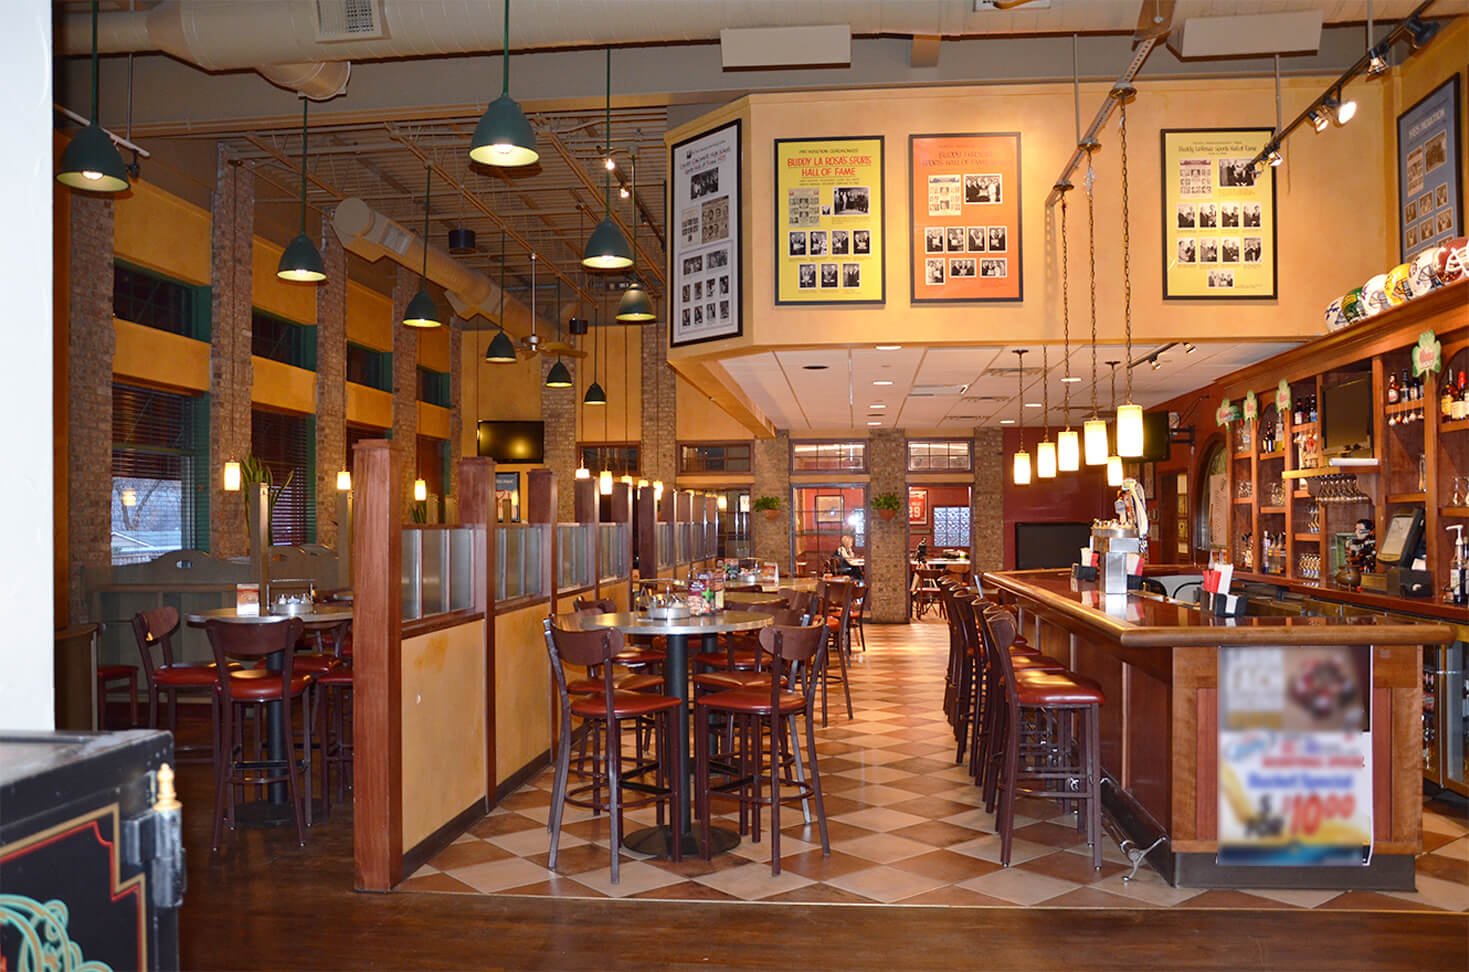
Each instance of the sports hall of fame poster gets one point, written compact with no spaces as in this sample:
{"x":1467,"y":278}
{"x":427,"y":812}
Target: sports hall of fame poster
{"x":829,"y":246}
{"x":1430,"y":192}
{"x":1218,"y":215}
{"x":964,"y":196}
{"x":704,"y":255}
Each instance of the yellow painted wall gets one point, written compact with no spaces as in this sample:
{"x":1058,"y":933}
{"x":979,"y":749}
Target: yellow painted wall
{"x":369,"y":406}
{"x":1330,"y":188}
{"x":284,"y":298}
{"x":495,"y":391}
{"x":433,"y":420}
{"x":283,"y":386}
{"x":162,"y":232}
{"x":619,"y":370}
{"x":433,"y":348}
{"x":700,"y":420}
{"x":522,"y":690}
{"x":369,"y":318}
{"x":444,"y":728}
{"x":159,"y":357}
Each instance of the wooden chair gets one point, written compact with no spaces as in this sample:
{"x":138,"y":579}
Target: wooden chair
{"x":836,"y":596}
{"x":154,"y":630}
{"x":117,"y":675}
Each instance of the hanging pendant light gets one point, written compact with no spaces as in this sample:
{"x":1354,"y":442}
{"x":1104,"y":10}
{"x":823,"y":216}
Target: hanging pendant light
{"x":559,"y":376}
{"x":1130,"y":415}
{"x":421,"y":310}
{"x":502,"y":349}
{"x":302,"y":260}
{"x":1022,"y":458}
{"x":595,"y":395}
{"x":582,"y":472}
{"x":1068,"y":443}
{"x":1114,"y":461}
{"x":1045,"y":453}
{"x":636,"y":306}
{"x":503,"y":136}
{"x":90,"y":160}
{"x":1094,"y":430}
{"x":607,"y":248}
{"x":604,"y":482}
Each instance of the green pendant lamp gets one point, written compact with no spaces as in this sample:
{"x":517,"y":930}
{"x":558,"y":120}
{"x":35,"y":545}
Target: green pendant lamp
{"x":607,"y":248}
{"x":503,"y":136}
{"x":421,"y":310}
{"x":90,"y":160}
{"x":559,"y":376}
{"x":302,"y":261}
{"x":501,"y":349}
{"x":595,"y":394}
{"x":636,"y":306}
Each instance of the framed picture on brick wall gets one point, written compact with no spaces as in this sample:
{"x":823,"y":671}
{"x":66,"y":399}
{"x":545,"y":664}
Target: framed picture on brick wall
{"x":705,"y":285}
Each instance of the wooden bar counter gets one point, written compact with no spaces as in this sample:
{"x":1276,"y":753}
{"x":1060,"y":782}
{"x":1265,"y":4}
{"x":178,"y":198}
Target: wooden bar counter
{"x":1157,"y":661}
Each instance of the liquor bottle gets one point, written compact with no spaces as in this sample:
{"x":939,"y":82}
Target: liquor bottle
{"x":1392,"y":388}
{"x":1446,"y":400}
{"x":1300,"y":413}
{"x":1311,"y":408}
{"x":1463,"y":395}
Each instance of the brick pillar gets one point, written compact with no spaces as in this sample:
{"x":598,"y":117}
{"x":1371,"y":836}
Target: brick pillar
{"x":331,"y":386}
{"x":405,"y":390}
{"x":558,"y":411}
{"x":987,"y":504}
{"x":231,"y":371}
{"x":659,"y":415}
{"x":456,"y":410}
{"x":772,"y":477}
{"x":887,"y":540}
{"x":91,"y":344}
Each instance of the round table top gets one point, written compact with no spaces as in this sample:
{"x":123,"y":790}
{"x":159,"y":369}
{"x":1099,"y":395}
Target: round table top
{"x":752,"y":597}
{"x":320,"y":613}
{"x":717,"y":623}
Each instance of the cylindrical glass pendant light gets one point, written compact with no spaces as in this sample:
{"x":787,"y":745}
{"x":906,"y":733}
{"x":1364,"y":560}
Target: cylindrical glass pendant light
{"x":1114,"y":470}
{"x":1094,"y":437}
{"x":1045,"y":460}
{"x":1068,"y":451}
{"x":1022,"y":458}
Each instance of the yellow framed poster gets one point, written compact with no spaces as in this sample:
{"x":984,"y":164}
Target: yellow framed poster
{"x":829,"y":246}
{"x":1218,"y":215}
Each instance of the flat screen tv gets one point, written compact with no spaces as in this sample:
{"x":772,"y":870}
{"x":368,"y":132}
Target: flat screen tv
{"x":1156,"y":436}
{"x":513,"y":441}
{"x":1039,"y":545}
{"x":1346,"y":418}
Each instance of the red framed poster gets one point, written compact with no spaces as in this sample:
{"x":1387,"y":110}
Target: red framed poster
{"x":917,"y":505}
{"x":964,"y":197}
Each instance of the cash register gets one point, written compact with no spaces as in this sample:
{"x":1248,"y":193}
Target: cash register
{"x":1402,"y":553}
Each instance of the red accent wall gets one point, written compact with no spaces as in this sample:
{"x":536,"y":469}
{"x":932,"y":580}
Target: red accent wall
{"x":1071,"y":497}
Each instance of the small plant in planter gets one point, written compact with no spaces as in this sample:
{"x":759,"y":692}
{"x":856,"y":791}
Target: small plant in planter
{"x":887,"y":505}
{"x":768,"y":505}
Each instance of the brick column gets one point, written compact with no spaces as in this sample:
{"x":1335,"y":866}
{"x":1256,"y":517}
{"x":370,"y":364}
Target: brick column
{"x":659,"y":425}
{"x":986,"y":503}
{"x":772,"y":477}
{"x":331,"y":386}
{"x":887,"y":540}
{"x":231,"y":371}
{"x":91,"y":344}
{"x":456,"y":394}
{"x":558,"y":411}
{"x":405,"y":390}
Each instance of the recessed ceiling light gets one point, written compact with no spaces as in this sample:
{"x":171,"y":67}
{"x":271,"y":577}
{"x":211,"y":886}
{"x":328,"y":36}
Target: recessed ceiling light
{"x":889,"y":347}
{"x":815,"y":367}
{"x":1070,"y":381}
{"x":877,"y":405}
{"x":1032,"y":404}
{"x":882,"y":381}
{"x":874,"y":423}
{"x":1007,"y":421}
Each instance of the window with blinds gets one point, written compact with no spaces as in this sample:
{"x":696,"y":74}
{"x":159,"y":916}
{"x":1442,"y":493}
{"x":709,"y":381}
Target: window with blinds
{"x":160,"y":455}
{"x":281,"y":340}
{"x":368,"y":367}
{"x":433,"y":387}
{"x":153,"y":300}
{"x":286,"y":444}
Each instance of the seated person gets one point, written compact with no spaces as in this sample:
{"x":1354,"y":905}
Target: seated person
{"x":844,"y":554}
{"x":921,"y":554}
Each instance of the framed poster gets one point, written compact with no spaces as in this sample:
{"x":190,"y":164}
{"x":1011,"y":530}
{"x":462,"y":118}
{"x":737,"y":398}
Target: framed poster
{"x":917,"y":505}
{"x":1430,"y":160}
{"x":964,"y":194}
{"x":704,"y":271}
{"x":829,"y":509}
{"x":507,"y":490}
{"x":1218,"y":215}
{"x":829,"y":247}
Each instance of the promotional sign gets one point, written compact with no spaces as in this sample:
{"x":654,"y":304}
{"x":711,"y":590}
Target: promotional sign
{"x":829,"y":247}
{"x":964,"y":196}
{"x":1218,"y":215}
{"x":1295,"y":755}
{"x":704,"y":243}
{"x":1430,"y":159}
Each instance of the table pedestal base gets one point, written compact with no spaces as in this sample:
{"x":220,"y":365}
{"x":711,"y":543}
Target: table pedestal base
{"x":264,"y":813}
{"x":655,"y":841}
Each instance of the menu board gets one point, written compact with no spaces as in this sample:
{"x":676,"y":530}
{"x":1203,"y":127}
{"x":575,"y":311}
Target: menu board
{"x":704,"y":251}
{"x":1430,"y":160}
{"x":964,"y":194}
{"x":828,"y":220}
{"x":1218,"y":215}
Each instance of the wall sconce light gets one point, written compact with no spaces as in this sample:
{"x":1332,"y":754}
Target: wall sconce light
{"x":420,"y":491}
{"x":344,"y":481}
{"x":232,"y":477}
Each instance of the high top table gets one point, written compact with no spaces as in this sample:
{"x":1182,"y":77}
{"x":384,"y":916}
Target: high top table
{"x":656,"y":840}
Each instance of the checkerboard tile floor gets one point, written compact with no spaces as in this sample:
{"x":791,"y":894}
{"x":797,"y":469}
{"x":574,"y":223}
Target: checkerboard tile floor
{"x":906,"y":826}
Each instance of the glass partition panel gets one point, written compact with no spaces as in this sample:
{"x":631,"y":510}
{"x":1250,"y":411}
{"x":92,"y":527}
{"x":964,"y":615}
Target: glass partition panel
{"x":438,"y":573}
{"x":681,"y":544}
{"x":576,"y":566}
{"x":434,"y":585}
{"x":411,"y":564}
{"x":664,"y":535}
{"x":519,"y":560}
{"x":613,"y":557}
{"x":462,"y":543}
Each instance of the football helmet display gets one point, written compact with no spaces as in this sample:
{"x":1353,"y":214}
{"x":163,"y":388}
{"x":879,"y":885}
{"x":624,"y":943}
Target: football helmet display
{"x":1423,"y":275}
{"x":1374,"y":294}
{"x":1335,"y":319}
{"x":1397,"y":285}
{"x":1353,"y":306}
{"x":1452,"y":260}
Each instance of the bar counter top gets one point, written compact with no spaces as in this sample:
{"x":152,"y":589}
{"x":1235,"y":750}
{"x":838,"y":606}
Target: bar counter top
{"x":1143,"y":620}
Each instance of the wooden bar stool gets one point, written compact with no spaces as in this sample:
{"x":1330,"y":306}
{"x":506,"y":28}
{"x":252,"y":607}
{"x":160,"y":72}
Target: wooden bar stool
{"x":116,"y":675}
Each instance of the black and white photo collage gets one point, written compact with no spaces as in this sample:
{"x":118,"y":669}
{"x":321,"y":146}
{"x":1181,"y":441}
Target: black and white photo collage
{"x":1221,"y":236}
{"x":823,"y":247}
{"x":705,"y":289}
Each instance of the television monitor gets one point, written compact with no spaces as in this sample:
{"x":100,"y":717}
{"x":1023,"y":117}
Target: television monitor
{"x":1039,"y":545}
{"x":1346,"y":418}
{"x":512,"y":441}
{"x":1157,"y":433}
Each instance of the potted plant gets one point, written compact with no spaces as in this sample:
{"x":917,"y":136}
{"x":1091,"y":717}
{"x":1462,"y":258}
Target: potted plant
{"x":769,"y":505}
{"x":887,"y":505}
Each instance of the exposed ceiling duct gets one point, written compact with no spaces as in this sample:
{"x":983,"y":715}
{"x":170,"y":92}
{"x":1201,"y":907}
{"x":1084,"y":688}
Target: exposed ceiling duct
{"x":372,"y":236}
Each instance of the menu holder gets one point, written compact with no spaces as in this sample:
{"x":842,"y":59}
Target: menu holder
{"x":247,"y":600}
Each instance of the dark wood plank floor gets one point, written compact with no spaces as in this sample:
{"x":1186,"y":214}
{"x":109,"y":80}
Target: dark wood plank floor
{"x":264,"y":903}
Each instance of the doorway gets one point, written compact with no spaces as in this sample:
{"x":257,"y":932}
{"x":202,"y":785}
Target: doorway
{"x":823,"y":515}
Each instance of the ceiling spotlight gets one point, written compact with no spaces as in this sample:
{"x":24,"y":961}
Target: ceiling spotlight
{"x":622,"y":192}
{"x":1188,"y":348}
{"x":1318,"y":119}
{"x":609,"y":163}
{"x":1423,"y":33}
{"x":1032,"y":404}
{"x":874,"y":423}
{"x":1376,"y":63}
{"x":1274,"y":157}
{"x":889,"y":347}
{"x":1341,"y":111}
{"x":1157,"y":364}
{"x":877,"y":405}
{"x":1007,"y":421}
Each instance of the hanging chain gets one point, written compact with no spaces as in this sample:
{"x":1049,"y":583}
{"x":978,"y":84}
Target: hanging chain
{"x":1126,"y":245}
{"x":1065,"y":314}
{"x":1091,"y":243}
{"x":1045,"y":392}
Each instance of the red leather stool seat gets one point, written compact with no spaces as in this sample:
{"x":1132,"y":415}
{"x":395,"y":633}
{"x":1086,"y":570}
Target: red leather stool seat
{"x":630,"y":682}
{"x":182,"y":676}
{"x":337,"y":677}
{"x":263,"y":685}
{"x":624,"y":705}
{"x":1036,"y":663}
{"x":754,"y":703}
{"x":725,"y":680}
{"x":1053,"y":688}
{"x":313,"y":664}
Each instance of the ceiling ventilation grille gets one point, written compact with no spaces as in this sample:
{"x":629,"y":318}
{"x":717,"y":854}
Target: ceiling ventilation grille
{"x":339,"y":20}
{"x":1009,"y":372}
{"x":396,"y":239}
{"x":936,"y":391}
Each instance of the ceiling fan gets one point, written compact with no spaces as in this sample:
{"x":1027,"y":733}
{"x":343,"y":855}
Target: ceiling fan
{"x":533,"y":343}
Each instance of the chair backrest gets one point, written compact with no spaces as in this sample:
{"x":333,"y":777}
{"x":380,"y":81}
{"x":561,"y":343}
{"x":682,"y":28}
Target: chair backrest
{"x":588,"y":649}
{"x":253,"y":642}
{"x":792,"y":647}
{"x":859,"y":600}
{"x":797,"y":600}
{"x":997,"y":629}
{"x":958,"y":570}
{"x":155,"y":627}
{"x":602,"y":605}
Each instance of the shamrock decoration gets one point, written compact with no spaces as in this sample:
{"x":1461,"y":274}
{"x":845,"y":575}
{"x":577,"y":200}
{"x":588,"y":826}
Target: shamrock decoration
{"x":1427,"y":354}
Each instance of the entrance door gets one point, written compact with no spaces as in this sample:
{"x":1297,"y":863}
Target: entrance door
{"x":823,"y":515}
